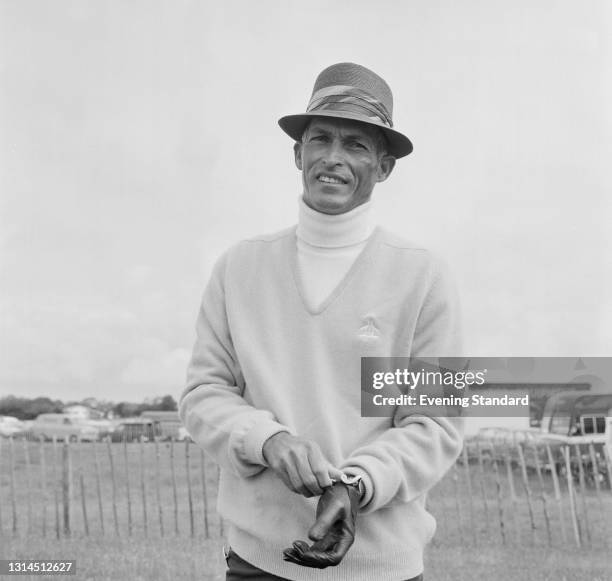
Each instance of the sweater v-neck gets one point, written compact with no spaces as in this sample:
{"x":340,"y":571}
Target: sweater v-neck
{"x":291,"y":241}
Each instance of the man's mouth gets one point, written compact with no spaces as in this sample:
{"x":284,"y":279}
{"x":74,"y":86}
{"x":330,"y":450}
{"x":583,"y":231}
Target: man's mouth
{"x":327,"y":179}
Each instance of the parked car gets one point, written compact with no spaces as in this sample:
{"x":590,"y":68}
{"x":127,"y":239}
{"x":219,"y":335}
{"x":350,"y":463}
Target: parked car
{"x":577,"y":413}
{"x":10,"y":426}
{"x":134,"y":429}
{"x":104,"y":427}
{"x":63,"y":427}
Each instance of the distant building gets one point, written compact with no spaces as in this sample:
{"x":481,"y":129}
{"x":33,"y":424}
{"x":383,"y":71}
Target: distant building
{"x":169,"y":423}
{"x":83,"y":412}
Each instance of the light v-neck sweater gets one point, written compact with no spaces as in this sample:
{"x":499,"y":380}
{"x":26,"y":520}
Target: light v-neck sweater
{"x":264,"y":362}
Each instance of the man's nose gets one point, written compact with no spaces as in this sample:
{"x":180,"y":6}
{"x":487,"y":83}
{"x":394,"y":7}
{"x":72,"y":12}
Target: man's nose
{"x":334,"y":154}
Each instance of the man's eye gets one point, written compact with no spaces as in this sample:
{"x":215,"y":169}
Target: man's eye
{"x":358,"y":145}
{"x":318,"y":138}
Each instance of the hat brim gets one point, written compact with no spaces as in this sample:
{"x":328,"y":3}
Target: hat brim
{"x":294,"y":125}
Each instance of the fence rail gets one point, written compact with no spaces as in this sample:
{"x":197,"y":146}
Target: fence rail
{"x":518,"y":495}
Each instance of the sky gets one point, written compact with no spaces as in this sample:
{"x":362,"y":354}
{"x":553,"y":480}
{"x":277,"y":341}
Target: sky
{"x":138,"y":140}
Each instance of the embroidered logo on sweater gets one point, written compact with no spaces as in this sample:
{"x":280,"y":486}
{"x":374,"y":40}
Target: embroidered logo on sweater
{"x":369,"y":330}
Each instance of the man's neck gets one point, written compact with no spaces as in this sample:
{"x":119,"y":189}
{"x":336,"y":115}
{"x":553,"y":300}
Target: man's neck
{"x":334,"y":230}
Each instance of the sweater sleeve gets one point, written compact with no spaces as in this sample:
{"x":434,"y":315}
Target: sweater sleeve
{"x":212,"y":406}
{"x":412,"y":455}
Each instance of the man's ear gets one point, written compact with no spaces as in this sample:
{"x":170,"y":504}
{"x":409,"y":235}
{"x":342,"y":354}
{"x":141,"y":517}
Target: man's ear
{"x":385,"y":167}
{"x":297,"y":150}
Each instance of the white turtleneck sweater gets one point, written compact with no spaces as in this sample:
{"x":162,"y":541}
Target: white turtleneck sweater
{"x":327,"y":246}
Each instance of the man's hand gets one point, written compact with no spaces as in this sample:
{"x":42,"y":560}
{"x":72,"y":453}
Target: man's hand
{"x":300,"y":464}
{"x":333,"y":531}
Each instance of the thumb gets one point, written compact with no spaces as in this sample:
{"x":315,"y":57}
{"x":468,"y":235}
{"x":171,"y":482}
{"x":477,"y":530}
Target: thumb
{"x":325,"y":521}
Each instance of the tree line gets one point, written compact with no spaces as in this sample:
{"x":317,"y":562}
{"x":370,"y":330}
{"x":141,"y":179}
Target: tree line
{"x":28,"y":408}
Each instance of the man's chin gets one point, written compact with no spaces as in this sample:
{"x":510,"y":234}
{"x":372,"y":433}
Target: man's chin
{"x":328,"y":202}
{"x":331,"y":209}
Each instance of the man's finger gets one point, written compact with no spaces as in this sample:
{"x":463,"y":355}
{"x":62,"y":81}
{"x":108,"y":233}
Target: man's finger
{"x":321,"y":469}
{"x":315,"y":559}
{"x":295,"y":553}
{"x":309,"y":479}
{"x":294,"y":478}
{"x":292,"y":556}
{"x":334,"y":473}
{"x":307,"y":559}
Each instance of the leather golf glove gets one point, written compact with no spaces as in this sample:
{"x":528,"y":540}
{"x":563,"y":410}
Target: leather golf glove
{"x":333,"y":532}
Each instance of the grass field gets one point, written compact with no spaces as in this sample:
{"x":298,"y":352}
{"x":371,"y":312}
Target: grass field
{"x":483,"y":533}
{"x":469,"y":544}
{"x":106,"y":559}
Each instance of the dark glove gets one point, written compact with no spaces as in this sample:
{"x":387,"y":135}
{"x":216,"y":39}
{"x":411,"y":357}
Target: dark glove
{"x":333,"y":530}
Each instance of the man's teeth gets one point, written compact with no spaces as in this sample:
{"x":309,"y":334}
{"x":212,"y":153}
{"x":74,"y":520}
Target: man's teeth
{"x":330,"y":180}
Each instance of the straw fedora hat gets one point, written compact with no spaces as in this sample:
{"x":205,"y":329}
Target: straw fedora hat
{"x":350,"y":91}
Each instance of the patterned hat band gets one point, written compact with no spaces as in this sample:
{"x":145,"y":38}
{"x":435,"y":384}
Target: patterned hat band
{"x":346,"y":98}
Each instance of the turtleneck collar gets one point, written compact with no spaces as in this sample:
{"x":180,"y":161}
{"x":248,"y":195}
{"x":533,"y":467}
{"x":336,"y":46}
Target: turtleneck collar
{"x":334,"y":231}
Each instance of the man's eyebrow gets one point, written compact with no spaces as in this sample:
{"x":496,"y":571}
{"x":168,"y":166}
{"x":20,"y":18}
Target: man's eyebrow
{"x":317,"y":129}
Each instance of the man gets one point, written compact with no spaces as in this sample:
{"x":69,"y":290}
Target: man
{"x":273,"y":390}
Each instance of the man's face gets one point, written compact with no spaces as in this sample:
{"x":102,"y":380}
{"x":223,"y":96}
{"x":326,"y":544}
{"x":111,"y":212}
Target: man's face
{"x":340,"y":164}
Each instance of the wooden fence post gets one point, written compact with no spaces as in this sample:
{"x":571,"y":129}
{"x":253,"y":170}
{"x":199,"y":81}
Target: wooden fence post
{"x":55,"y":487}
{"x":482,"y":486}
{"x":583,"y":491}
{"x":466,"y":464}
{"x":189,"y":491}
{"x":527,"y":489}
{"x":143,"y":489}
{"x":608,"y":458}
{"x":174,"y":489}
{"x":221,"y":527}
{"x":204,"y":495}
{"x":11,"y":448}
{"x":158,"y":489}
{"x":66,"y":485}
{"x":542,"y":493}
{"x":98,"y":486}
{"x":127,"y":486}
{"x":79,"y":467}
{"x":500,"y":505}
{"x":570,"y":489}
{"x":114,"y":483}
{"x":559,"y":502}
{"x":513,"y":497}
{"x":43,"y":485}
{"x":26,"y":454}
